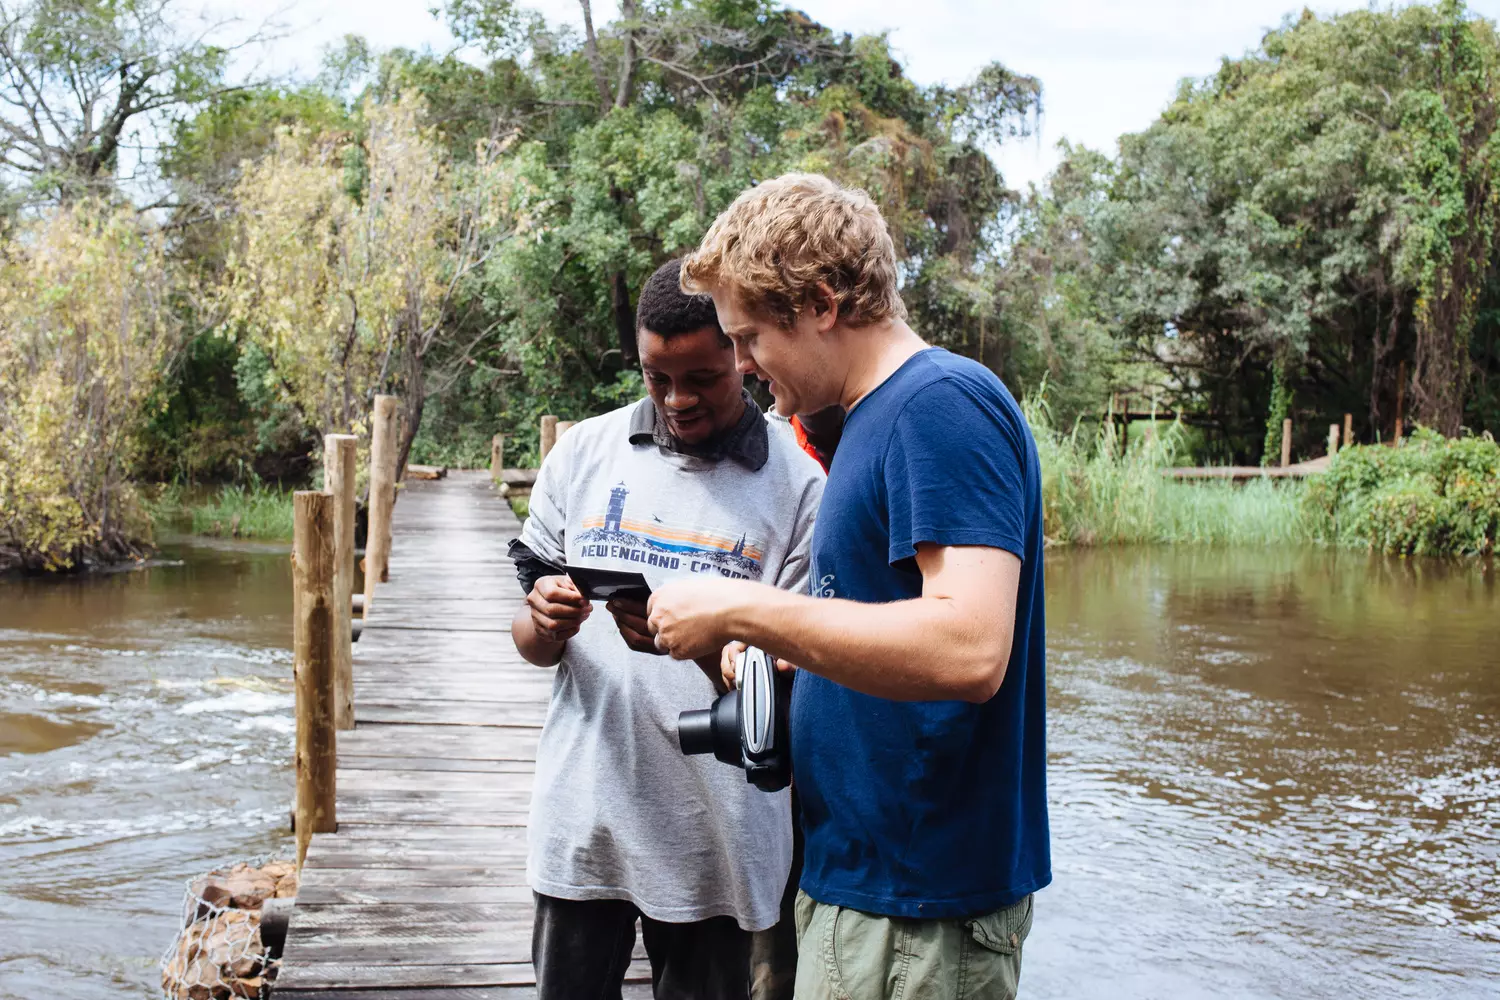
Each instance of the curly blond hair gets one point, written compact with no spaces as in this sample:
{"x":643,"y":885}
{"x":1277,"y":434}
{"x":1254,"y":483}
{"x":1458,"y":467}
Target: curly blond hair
{"x":782,"y":237}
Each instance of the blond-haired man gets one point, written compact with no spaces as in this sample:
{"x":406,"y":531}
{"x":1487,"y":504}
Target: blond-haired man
{"x":918,"y":714}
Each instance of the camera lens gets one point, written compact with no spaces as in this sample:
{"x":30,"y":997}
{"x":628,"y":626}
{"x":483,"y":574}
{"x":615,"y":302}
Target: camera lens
{"x":714,"y":730}
{"x":695,"y":731}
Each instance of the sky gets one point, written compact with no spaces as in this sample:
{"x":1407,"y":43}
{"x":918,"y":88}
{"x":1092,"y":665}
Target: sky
{"x":1107,"y":66}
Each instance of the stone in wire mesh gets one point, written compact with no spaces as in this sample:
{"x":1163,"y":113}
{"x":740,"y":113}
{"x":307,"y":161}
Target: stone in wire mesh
{"x":219,"y":953}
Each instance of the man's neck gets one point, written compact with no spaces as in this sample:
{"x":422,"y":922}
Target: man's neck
{"x":876,"y":353}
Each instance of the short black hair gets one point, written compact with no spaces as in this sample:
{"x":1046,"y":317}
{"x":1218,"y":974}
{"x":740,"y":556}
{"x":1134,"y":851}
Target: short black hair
{"x":666,"y":310}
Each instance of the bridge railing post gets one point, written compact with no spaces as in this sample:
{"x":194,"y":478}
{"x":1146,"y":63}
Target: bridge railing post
{"x":338,"y":480}
{"x":382,"y":496}
{"x":547,"y":436}
{"x":1286,"y":442}
{"x":313,"y":614}
{"x":497,"y":456}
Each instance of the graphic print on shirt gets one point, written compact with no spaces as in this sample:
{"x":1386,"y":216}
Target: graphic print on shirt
{"x":653,"y":542}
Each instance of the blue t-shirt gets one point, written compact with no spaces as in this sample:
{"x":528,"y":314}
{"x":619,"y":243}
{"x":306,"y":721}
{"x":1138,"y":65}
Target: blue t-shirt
{"x":934,"y":808}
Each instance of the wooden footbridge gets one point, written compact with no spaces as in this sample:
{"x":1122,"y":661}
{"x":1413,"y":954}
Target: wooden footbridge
{"x":420,"y":893}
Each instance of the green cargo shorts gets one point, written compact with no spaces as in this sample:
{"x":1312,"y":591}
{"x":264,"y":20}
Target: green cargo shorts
{"x":846,"y":954}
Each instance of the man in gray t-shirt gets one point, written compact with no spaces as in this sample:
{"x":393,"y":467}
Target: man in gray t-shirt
{"x":623,"y":826}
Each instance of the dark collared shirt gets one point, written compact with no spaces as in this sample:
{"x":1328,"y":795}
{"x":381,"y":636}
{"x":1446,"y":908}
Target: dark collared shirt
{"x":747,"y":443}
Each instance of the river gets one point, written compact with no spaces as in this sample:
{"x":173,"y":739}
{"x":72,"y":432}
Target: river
{"x":1273,"y":773}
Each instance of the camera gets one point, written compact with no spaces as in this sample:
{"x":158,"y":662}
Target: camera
{"x":748,"y":726}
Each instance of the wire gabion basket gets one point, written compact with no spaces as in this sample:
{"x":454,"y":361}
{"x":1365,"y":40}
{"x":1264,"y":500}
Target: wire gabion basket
{"x":219,"y":954}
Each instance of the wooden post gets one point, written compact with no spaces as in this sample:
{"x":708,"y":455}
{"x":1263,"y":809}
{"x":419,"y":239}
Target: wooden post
{"x":1286,"y":442}
{"x":1348,"y":429}
{"x":1400,"y":398}
{"x":338,"y":478}
{"x":563,"y":426}
{"x":382,"y":495}
{"x":313,"y":612}
{"x":1333,"y":440}
{"x":497,"y":456}
{"x":549,"y":435}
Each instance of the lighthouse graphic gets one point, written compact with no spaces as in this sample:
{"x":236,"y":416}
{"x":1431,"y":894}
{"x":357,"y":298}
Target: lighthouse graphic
{"x":699,"y":549}
{"x":616,"y":507}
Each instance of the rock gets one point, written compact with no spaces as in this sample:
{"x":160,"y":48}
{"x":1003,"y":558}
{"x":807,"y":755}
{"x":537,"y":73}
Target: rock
{"x":248,"y":987}
{"x":287,"y":885}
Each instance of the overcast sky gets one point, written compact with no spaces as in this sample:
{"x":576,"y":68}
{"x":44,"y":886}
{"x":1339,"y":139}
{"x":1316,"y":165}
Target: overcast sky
{"x":1106,"y":66}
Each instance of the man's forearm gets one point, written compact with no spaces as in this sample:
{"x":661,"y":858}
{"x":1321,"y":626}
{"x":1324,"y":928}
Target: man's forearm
{"x":920,"y":649}
{"x":535,"y":649}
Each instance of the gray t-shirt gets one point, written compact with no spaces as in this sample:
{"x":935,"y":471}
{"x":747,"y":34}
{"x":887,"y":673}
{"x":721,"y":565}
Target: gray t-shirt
{"x":618,"y":812}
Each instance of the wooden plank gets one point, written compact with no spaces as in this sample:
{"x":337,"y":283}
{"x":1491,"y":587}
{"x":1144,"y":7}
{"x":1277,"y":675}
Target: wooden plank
{"x":325,"y":975}
{"x":474,"y":743}
{"x":443,"y":713}
{"x":380,"y":880}
{"x":428,"y":764}
{"x":435,"y":856}
{"x":402,"y":891}
{"x":423,"y":835}
{"x":356,"y":780}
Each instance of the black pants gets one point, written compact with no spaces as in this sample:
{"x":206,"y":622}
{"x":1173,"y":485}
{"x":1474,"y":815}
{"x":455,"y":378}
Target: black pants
{"x":773,"y":952}
{"x":581,"y":949}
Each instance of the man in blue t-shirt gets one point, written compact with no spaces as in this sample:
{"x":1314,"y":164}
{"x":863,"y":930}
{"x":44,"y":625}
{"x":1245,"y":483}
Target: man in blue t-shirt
{"x":919,"y":712}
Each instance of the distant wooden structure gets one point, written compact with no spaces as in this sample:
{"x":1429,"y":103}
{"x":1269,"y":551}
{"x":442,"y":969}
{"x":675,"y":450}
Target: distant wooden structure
{"x":1242,"y":472}
{"x":420,"y":894}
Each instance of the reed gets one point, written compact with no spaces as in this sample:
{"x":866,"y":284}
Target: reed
{"x":253,"y":510}
{"x":1096,"y":492}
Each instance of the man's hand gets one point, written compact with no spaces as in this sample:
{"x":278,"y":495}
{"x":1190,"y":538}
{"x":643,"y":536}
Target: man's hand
{"x":693,"y":618}
{"x":729,"y":664}
{"x":558,"y":609}
{"x":630,"y":618}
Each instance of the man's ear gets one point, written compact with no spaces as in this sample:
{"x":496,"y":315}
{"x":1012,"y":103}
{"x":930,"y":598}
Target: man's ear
{"x":825,"y":307}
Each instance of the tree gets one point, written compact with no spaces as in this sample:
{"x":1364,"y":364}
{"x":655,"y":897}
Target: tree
{"x":89,"y":320}
{"x":349,"y":259}
{"x":1299,"y":223}
{"x":82,"y":81}
{"x":632,"y":137}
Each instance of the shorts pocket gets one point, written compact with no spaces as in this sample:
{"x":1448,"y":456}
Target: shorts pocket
{"x":869,"y":956}
{"x":990,"y":967}
{"x":1003,"y":931}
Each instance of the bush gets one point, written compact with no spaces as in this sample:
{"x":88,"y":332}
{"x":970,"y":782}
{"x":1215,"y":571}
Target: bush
{"x":1429,"y":496}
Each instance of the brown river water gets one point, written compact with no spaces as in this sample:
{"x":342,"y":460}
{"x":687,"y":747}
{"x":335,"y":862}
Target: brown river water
{"x":1274,"y":773}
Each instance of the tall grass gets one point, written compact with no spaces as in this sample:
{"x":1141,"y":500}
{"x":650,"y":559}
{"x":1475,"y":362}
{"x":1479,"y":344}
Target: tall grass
{"x":1095,"y":492}
{"x":257,"y":510}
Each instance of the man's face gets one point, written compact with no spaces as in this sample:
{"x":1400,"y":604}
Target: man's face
{"x":795,"y":362}
{"x":692,"y":381}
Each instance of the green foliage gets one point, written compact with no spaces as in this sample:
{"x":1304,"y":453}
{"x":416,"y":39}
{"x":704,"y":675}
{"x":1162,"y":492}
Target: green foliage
{"x":1323,"y":205}
{"x":1429,"y":496}
{"x":253,"y":510}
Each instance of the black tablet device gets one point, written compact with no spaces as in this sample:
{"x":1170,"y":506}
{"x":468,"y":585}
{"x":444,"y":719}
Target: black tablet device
{"x":607,"y":584}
